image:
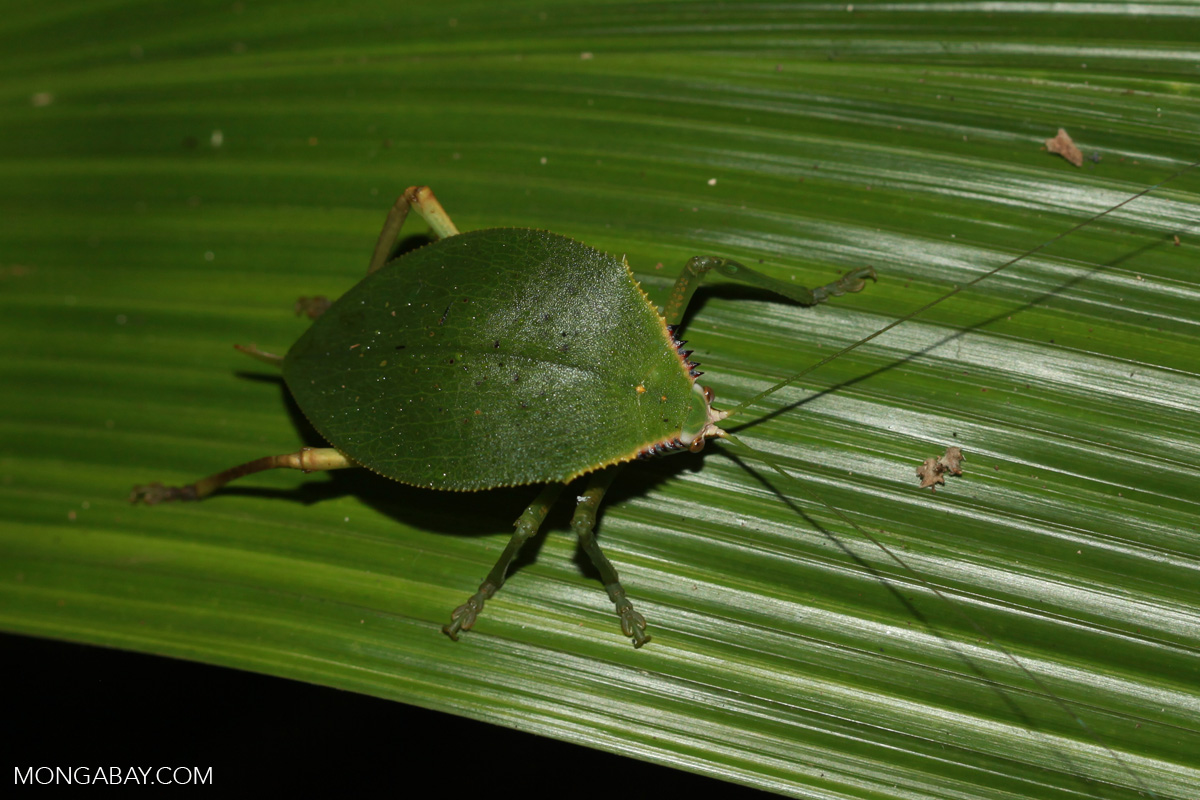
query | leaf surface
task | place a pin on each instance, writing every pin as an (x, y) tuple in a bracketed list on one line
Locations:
[(168, 188)]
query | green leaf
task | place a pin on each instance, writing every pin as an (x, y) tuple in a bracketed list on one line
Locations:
[(169, 186)]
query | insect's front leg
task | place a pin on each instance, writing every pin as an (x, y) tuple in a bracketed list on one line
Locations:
[(699, 267), (463, 617), (583, 523)]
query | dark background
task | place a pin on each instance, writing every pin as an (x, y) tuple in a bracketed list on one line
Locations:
[(73, 705)]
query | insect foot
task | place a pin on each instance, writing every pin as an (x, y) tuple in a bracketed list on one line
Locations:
[(312, 307), (154, 493), (463, 617), (633, 624), (853, 281)]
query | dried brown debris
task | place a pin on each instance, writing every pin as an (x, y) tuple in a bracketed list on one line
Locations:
[(1063, 145), (933, 470)]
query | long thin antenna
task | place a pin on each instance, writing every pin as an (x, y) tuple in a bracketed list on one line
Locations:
[(790, 380), (1041, 685)]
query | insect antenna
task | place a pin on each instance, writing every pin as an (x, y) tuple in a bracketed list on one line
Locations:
[(950, 603), (956, 290)]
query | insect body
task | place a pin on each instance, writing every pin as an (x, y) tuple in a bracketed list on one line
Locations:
[(495, 358)]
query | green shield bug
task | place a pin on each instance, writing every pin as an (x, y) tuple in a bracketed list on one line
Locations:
[(500, 357)]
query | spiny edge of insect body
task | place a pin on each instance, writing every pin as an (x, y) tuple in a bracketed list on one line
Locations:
[(684, 354), (660, 449)]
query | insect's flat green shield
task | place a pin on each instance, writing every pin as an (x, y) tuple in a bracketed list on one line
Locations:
[(492, 358)]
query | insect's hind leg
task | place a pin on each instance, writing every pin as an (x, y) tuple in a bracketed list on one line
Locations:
[(463, 617), (421, 200), (309, 459), (583, 523), (699, 267)]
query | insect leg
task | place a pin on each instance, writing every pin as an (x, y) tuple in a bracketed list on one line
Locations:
[(260, 355), (697, 268), (583, 523), (463, 617), (309, 459), (421, 199)]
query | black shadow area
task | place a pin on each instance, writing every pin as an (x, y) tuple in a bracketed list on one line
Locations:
[(73, 705)]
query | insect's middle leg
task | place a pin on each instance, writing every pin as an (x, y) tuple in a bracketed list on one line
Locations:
[(699, 267), (583, 523), (463, 617), (420, 199)]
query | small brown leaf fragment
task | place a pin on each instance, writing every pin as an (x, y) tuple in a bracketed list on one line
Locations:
[(952, 461), (1177, 240), (1063, 145), (930, 474), (932, 470)]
